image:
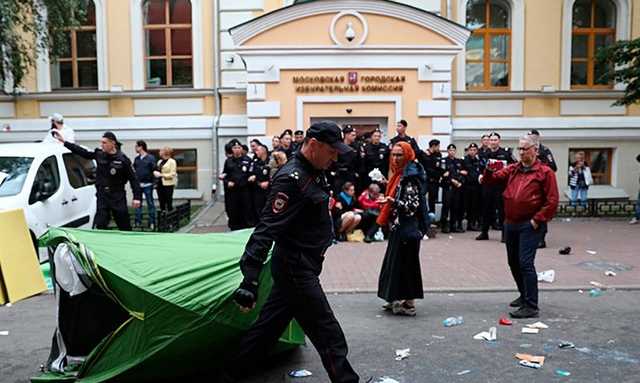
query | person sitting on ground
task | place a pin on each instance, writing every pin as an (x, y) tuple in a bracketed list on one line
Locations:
[(347, 216), (369, 203)]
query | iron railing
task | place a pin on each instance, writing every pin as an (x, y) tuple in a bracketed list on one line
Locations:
[(597, 208)]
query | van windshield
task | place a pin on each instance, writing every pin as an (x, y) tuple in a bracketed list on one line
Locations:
[(13, 173)]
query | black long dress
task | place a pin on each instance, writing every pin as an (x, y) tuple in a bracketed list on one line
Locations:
[(400, 277)]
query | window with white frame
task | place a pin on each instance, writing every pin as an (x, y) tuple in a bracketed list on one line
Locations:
[(77, 66), (168, 46), (488, 48), (593, 28)]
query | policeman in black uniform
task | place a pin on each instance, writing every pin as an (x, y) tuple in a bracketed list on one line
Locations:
[(546, 157), (113, 171), (492, 194), (347, 168), (374, 154), (432, 164), (259, 179), (472, 189), (544, 153), (297, 219), (236, 179), (453, 178), (401, 129)]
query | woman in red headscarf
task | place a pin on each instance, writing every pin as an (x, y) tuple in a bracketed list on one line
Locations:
[(405, 213)]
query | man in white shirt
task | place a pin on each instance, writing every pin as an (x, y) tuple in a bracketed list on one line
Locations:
[(57, 123)]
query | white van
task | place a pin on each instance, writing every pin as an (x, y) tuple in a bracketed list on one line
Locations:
[(53, 186)]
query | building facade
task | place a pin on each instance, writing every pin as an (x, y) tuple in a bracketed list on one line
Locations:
[(192, 74)]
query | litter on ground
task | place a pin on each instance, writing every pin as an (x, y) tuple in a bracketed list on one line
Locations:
[(547, 276), (537, 359), (538, 325), (403, 354), (300, 373), (490, 335)]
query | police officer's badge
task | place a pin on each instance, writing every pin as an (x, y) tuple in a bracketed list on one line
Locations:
[(280, 203), (113, 171)]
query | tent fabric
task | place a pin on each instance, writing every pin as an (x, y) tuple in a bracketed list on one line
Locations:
[(176, 291)]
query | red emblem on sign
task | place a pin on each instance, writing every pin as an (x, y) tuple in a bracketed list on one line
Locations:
[(353, 78)]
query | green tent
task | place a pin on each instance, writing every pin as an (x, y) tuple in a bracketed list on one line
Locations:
[(160, 305)]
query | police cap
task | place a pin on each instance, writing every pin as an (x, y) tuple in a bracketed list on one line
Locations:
[(329, 133)]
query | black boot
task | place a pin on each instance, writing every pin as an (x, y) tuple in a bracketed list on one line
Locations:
[(445, 228), (525, 312)]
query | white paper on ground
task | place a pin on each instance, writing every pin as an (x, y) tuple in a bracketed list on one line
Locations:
[(537, 325), (527, 330), (402, 354), (547, 276)]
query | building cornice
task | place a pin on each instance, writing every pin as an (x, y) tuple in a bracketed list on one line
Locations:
[(98, 95)]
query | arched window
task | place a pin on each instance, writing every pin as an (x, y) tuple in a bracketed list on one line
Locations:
[(488, 62), (77, 66), (594, 27), (168, 48)]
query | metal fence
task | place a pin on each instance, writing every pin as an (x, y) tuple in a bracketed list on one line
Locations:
[(597, 208), (170, 221), (166, 221)]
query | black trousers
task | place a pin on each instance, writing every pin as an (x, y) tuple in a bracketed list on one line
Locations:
[(492, 204), (165, 196), (258, 199), (239, 207), (432, 195), (296, 294), (473, 203), (111, 203), (522, 242), (452, 205)]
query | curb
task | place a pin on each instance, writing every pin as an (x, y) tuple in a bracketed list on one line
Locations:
[(489, 289)]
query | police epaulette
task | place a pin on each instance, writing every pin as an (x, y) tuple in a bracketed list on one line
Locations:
[(302, 180)]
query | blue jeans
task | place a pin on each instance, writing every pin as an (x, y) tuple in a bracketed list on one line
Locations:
[(522, 242), (579, 194), (638, 206), (147, 191)]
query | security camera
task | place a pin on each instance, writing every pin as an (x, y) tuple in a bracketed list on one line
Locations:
[(349, 110)]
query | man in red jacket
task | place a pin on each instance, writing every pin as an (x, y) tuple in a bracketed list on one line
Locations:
[(530, 201)]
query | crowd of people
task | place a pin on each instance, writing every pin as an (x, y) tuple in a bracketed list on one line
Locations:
[(358, 177)]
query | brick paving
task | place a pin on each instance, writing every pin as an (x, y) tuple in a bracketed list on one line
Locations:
[(457, 262)]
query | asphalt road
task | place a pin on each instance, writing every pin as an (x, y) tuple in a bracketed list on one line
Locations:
[(602, 328)]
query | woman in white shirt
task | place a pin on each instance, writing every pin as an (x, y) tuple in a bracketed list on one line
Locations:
[(168, 178)]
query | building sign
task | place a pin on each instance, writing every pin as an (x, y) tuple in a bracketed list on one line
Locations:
[(351, 83)]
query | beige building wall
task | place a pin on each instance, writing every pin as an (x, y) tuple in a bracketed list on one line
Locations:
[(119, 43), (543, 42), (413, 90)]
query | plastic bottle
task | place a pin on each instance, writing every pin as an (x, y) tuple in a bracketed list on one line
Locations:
[(453, 321), (596, 292)]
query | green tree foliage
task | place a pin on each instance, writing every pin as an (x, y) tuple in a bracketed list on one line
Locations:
[(27, 26), (623, 59)]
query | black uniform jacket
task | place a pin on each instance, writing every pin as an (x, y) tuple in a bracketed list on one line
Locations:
[(296, 217)]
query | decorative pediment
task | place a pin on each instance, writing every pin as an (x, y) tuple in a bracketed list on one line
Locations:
[(349, 24)]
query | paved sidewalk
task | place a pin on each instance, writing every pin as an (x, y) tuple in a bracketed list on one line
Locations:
[(457, 262)]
